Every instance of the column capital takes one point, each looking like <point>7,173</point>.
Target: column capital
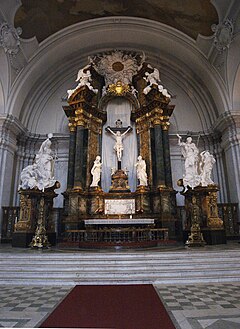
<point>80,118</point>
<point>72,124</point>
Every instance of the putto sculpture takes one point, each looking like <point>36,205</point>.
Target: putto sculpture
<point>40,174</point>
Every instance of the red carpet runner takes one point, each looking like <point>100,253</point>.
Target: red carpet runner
<point>115,307</point>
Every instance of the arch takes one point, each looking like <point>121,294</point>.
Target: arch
<point>60,56</point>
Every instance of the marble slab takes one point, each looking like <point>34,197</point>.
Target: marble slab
<point>119,207</point>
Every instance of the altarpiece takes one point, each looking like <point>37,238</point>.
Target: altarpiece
<point>119,112</point>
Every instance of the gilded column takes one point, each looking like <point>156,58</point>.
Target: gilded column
<point>159,170</point>
<point>72,149</point>
<point>166,152</point>
<point>79,150</point>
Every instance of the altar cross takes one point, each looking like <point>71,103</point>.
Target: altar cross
<point>118,132</point>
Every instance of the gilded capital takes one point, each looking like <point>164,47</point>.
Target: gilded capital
<point>165,125</point>
<point>80,118</point>
<point>72,124</point>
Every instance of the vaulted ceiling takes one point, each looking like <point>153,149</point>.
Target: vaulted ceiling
<point>45,17</point>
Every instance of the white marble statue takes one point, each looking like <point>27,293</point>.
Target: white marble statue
<point>96,171</point>
<point>40,174</point>
<point>190,153</point>
<point>154,79</point>
<point>84,78</point>
<point>206,166</point>
<point>118,147</point>
<point>29,177</point>
<point>141,171</point>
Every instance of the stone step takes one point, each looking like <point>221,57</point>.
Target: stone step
<point>117,266</point>
<point>106,258</point>
<point>67,268</point>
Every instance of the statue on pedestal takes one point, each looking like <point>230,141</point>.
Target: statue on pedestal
<point>141,171</point>
<point>40,174</point>
<point>96,171</point>
<point>190,153</point>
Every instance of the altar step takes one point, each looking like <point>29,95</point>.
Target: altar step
<point>64,268</point>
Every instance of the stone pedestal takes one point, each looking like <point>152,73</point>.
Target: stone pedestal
<point>119,182</point>
<point>211,225</point>
<point>30,211</point>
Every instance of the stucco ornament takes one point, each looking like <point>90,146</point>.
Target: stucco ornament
<point>40,174</point>
<point>9,38</point>
<point>223,35</point>
<point>117,66</point>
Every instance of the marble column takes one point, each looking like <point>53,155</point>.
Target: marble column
<point>10,129</point>
<point>158,171</point>
<point>229,126</point>
<point>79,151</point>
<point>166,152</point>
<point>72,150</point>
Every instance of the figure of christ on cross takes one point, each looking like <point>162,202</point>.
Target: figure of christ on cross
<point>118,147</point>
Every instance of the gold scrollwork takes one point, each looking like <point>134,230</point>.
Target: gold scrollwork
<point>118,89</point>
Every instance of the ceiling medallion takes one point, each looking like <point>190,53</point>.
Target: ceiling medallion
<point>117,66</point>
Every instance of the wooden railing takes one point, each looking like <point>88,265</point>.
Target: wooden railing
<point>227,211</point>
<point>117,235</point>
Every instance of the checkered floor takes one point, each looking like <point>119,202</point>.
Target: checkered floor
<point>28,306</point>
<point>211,306</point>
<point>201,306</point>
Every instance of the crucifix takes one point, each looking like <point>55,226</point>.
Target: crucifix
<point>119,132</point>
